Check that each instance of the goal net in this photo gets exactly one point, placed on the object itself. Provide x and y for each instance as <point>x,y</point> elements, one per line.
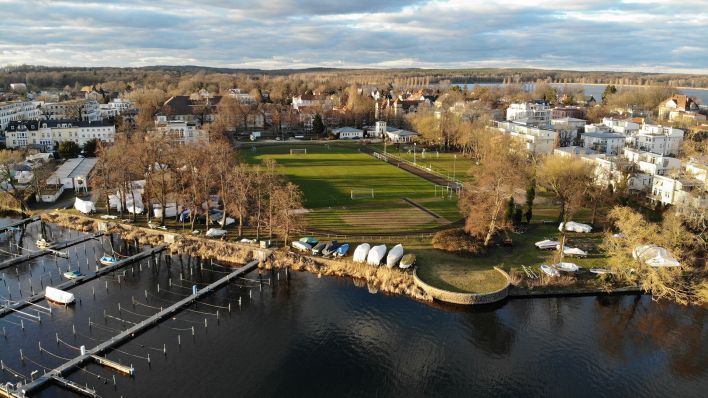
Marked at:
<point>302,151</point>
<point>362,193</point>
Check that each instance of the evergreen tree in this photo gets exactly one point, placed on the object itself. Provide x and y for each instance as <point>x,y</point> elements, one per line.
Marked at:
<point>510,208</point>
<point>609,90</point>
<point>69,149</point>
<point>318,126</point>
<point>518,216</point>
<point>89,148</point>
<point>530,196</point>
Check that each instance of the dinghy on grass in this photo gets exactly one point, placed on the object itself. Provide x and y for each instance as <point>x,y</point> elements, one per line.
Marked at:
<point>317,249</point>
<point>376,254</point>
<point>330,248</point>
<point>361,252</point>
<point>309,240</point>
<point>394,255</point>
<point>566,267</point>
<point>550,271</point>
<point>407,261</point>
<point>601,271</point>
<point>301,246</point>
<point>547,244</point>
<point>342,250</point>
<point>215,233</point>
<point>58,296</point>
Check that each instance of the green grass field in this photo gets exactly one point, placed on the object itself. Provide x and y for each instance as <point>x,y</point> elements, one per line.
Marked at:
<point>328,174</point>
<point>446,163</point>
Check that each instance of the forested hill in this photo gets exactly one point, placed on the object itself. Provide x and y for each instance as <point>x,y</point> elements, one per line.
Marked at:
<point>43,77</point>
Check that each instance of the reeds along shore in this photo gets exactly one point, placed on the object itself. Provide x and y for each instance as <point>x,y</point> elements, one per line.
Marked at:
<point>383,279</point>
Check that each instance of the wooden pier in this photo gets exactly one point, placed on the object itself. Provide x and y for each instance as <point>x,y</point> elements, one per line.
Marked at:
<point>83,279</point>
<point>51,249</point>
<point>126,370</point>
<point>75,387</point>
<point>135,329</point>
<point>19,224</point>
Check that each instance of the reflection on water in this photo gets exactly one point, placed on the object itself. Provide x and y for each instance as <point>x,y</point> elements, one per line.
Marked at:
<point>309,336</point>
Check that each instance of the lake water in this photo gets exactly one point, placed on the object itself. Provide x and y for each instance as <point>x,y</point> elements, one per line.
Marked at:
<point>596,90</point>
<point>308,336</point>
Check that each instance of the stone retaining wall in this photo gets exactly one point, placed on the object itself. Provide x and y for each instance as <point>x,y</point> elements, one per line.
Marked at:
<point>465,298</point>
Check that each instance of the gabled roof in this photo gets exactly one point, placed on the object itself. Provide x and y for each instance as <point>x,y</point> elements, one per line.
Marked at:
<point>682,102</point>
<point>184,105</point>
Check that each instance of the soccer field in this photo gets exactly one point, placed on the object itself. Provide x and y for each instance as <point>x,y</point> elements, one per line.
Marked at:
<point>327,175</point>
<point>445,163</point>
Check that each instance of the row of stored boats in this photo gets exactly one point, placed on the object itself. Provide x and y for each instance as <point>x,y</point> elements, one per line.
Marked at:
<point>364,253</point>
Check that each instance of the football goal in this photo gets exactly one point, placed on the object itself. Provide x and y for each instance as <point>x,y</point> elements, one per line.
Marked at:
<point>301,151</point>
<point>362,193</point>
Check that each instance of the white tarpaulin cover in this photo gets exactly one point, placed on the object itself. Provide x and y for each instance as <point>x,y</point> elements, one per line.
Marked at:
<point>394,255</point>
<point>573,226</point>
<point>547,244</point>
<point>215,232</point>
<point>361,252</point>
<point>574,251</point>
<point>376,254</point>
<point>655,256</point>
<point>84,206</point>
<point>58,296</point>
<point>229,221</point>
<point>170,210</point>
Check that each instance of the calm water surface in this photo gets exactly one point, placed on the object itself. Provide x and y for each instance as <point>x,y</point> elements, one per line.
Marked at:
<point>309,336</point>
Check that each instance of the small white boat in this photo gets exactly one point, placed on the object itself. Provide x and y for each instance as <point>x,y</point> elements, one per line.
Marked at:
<point>361,252</point>
<point>301,246</point>
<point>574,251</point>
<point>549,270</point>
<point>215,233</point>
<point>43,243</point>
<point>601,271</point>
<point>547,244</point>
<point>73,274</point>
<point>394,255</point>
<point>107,260</point>
<point>376,254</point>
<point>566,267</point>
<point>58,296</point>
<point>407,261</point>
<point>655,256</point>
<point>573,226</point>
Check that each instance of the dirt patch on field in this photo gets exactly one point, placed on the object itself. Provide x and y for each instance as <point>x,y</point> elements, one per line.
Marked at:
<point>392,220</point>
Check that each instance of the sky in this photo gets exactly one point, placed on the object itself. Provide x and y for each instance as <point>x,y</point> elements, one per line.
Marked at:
<point>627,35</point>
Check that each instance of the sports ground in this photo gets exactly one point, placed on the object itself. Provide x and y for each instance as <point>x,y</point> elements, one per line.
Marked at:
<point>338,182</point>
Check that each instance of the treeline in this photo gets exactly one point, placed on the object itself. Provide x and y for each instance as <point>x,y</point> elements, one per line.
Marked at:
<point>191,177</point>
<point>41,77</point>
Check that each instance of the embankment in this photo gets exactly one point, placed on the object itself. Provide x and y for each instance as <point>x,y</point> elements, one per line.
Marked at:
<point>392,281</point>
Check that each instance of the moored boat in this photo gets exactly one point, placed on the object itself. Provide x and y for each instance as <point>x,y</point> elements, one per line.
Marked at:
<point>43,243</point>
<point>407,261</point>
<point>394,255</point>
<point>317,249</point>
<point>107,260</point>
<point>330,248</point>
<point>309,240</point>
<point>546,244</point>
<point>58,296</point>
<point>549,270</point>
<point>73,274</point>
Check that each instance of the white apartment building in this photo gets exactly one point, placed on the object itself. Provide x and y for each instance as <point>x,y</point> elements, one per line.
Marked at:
<point>605,143</point>
<point>529,113</point>
<point>657,139</point>
<point>46,135</point>
<point>621,126</point>
<point>114,108</point>
<point>305,100</point>
<point>680,192</point>
<point>652,163</point>
<point>88,110</point>
<point>536,141</point>
<point>17,110</point>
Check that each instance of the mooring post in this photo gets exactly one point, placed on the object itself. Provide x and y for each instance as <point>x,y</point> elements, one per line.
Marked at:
<point>164,349</point>
<point>22,357</point>
<point>179,339</point>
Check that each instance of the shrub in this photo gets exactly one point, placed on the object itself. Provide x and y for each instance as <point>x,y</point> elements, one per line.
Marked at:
<point>457,241</point>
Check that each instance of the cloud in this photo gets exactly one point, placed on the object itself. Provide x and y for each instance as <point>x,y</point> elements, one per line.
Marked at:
<point>647,35</point>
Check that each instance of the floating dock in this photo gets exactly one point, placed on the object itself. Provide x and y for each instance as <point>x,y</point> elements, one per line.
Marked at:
<point>83,279</point>
<point>136,329</point>
<point>120,368</point>
<point>51,249</point>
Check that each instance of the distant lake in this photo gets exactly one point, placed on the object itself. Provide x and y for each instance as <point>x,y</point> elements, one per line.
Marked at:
<point>596,90</point>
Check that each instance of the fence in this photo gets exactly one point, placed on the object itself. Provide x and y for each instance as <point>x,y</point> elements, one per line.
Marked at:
<point>387,157</point>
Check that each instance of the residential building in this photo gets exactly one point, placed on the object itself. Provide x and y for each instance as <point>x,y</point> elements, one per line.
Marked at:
<point>681,192</point>
<point>529,113</point>
<point>46,135</point>
<point>602,142</point>
<point>184,108</point>
<point>87,110</point>
<point>18,87</point>
<point>657,139</point>
<point>652,163</point>
<point>575,112</point>
<point>573,151</point>
<point>621,126</point>
<point>348,133</point>
<point>537,141</point>
<point>306,100</point>
<point>17,110</point>
<point>183,132</point>
<point>242,97</point>
<point>114,108</point>
<point>677,102</point>
<point>569,130</point>
<point>683,116</point>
